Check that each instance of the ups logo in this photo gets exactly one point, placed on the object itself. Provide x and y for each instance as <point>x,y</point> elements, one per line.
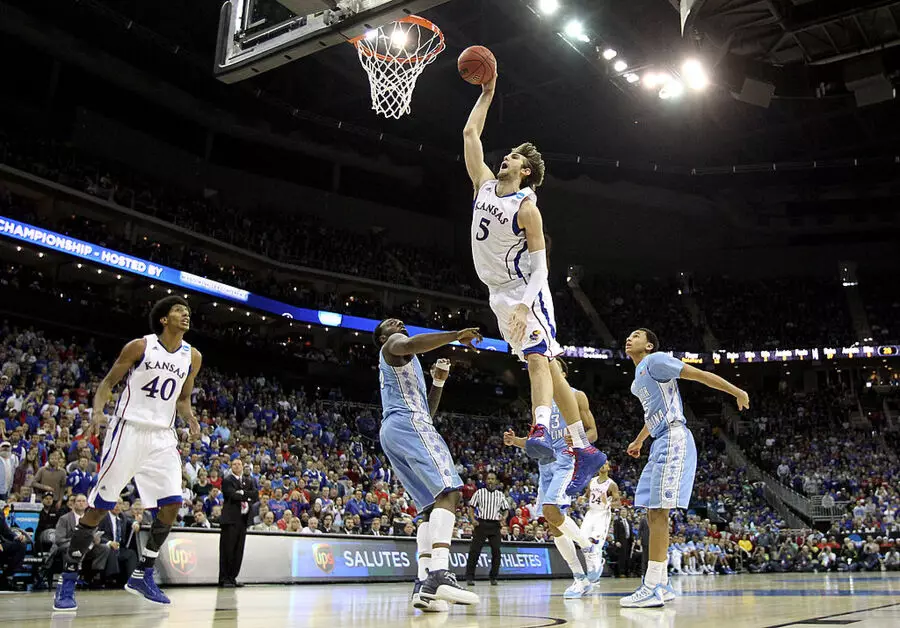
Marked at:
<point>324,557</point>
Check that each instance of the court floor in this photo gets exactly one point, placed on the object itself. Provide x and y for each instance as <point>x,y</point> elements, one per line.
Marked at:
<point>770,601</point>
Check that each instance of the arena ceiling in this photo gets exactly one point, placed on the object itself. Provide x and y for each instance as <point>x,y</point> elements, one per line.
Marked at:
<point>815,54</point>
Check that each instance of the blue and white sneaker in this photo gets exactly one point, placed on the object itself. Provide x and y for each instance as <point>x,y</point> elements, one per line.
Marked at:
<point>668,593</point>
<point>429,606</point>
<point>539,445</point>
<point>578,589</point>
<point>441,584</point>
<point>144,585</point>
<point>645,597</point>
<point>593,560</point>
<point>64,599</point>
<point>588,461</point>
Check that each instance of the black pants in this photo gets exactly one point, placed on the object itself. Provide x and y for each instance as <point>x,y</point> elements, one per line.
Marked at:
<point>490,531</point>
<point>12,557</point>
<point>231,551</point>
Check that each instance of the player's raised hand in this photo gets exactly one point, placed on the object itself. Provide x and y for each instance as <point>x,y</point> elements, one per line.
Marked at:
<point>467,336</point>
<point>517,323</point>
<point>440,370</point>
<point>492,84</point>
<point>509,438</point>
<point>634,449</point>
<point>743,400</point>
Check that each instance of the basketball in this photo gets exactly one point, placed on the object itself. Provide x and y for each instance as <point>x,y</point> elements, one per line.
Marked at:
<point>477,65</point>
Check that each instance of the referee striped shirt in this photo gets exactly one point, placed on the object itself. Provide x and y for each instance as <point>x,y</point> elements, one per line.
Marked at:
<point>488,504</point>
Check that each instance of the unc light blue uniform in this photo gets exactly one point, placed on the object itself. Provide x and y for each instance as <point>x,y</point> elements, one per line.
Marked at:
<point>418,454</point>
<point>668,478</point>
<point>555,476</point>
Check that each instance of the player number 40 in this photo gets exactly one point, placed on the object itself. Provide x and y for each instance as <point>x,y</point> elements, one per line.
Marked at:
<point>483,232</point>
<point>165,391</point>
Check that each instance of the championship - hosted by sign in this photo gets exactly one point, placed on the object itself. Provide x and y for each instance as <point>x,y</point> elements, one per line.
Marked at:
<point>192,557</point>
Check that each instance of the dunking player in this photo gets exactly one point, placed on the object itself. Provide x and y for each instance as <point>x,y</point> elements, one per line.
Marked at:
<point>141,443</point>
<point>509,251</point>
<point>668,478</point>
<point>553,500</point>
<point>603,496</point>
<point>419,456</point>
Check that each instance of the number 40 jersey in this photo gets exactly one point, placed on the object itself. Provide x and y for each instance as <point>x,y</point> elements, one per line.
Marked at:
<point>154,385</point>
<point>499,249</point>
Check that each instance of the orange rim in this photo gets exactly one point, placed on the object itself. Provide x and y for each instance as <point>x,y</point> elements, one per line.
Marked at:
<point>409,19</point>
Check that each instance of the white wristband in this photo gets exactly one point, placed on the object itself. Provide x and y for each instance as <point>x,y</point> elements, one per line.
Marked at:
<point>438,383</point>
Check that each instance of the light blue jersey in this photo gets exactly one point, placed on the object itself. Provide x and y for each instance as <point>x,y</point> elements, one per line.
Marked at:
<point>556,475</point>
<point>418,454</point>
<point>668,478</point>
<point>656,386</point>
<point>402,388</point>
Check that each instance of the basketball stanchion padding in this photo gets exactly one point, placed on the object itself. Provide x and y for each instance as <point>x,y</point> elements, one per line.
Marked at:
<point>394,57</point>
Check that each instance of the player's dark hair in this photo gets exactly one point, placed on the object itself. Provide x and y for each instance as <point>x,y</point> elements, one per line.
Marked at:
<point>376,335</point>
<point>161,309</point>
<point>563,366</point>
<point>534,162</point>
<point>651,338</point>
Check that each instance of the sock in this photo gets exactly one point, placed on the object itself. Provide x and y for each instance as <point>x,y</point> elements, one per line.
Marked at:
<point>542,416</point>
<point>566,547</point>
<point>656,573</point>
<point>159,531</point>
<point>441,524</point>
<point>570,529</point>
<point>579,437</point>
<point>423,543</point>
<point>82,539</point>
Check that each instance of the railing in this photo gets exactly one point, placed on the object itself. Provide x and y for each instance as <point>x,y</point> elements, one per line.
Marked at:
<point>827,513</point>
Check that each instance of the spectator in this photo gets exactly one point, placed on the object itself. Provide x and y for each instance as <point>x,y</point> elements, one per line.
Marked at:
<point>12,555</point>
<point>268,524</point>
<point>50,478</point>
<point>9,463</point>
<point>98,556</point>
<point>312,527</point>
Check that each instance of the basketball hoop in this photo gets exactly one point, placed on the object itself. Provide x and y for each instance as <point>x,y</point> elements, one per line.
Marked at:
<point>394,56</point>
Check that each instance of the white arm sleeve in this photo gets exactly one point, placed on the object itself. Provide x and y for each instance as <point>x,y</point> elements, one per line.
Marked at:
<point>539,275</point>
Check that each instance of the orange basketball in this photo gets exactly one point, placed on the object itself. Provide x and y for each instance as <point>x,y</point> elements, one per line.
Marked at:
<point>477,65</point>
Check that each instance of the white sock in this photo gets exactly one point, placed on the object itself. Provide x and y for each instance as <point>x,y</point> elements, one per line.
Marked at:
<point>566,547</point>
<point>579,437</point>
<point>542,416</point>
<point>570,529</point>
<point>656,573</point>
<point>441,524</point>
<point>423,543</point>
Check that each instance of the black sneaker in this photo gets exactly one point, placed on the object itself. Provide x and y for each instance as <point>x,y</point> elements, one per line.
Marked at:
<point>471,583</point>
<point>494,582</point>
<point>442,585</point>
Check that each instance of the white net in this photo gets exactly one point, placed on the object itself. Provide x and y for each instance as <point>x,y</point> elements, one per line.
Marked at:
<point>394,57</point>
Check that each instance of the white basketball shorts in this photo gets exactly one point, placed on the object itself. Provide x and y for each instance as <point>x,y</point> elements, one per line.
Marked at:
<point>540,324</point>
<point>147,454</point>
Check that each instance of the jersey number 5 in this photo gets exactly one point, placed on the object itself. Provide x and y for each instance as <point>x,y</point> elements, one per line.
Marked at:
<point>165,391</point>
<point>483,232</point>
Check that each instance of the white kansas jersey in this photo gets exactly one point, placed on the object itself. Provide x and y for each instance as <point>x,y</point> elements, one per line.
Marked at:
<point>499,249</point>
<point>600,494</point>
<point>154,385</point>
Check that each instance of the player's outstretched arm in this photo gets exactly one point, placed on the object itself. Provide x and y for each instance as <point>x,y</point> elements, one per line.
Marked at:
<point>587,417</point>
<point>404,346</point>
<point>439,374</point>
<point>473,150</point>
<point>129,355</point>
<point>511,440</point>
<point>183,405</point>
<point>714,381</point>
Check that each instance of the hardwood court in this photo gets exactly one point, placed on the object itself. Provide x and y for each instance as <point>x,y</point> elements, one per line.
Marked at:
<point>772,601</point>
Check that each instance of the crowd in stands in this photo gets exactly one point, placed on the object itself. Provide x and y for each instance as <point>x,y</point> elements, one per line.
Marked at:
<point>882,307</point>
<point>775,312</point>
<point>320,469</point>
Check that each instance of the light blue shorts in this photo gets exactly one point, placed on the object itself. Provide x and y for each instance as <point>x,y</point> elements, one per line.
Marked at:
<point>668,479</point>
<point>419,456</point>
<point>554,478</point>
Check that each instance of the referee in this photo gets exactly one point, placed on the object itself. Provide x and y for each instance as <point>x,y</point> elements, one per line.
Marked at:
<point>485,509</point>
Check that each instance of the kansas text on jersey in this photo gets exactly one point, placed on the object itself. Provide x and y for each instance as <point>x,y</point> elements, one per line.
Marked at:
<point>499,249</point>
<point>154,384</point>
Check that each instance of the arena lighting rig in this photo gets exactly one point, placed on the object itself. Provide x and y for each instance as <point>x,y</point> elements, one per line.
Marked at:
<point>80,249</point>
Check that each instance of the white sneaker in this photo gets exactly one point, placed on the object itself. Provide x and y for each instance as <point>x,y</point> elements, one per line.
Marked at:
<point>578,588</point>
<point>593,559</point>
<point>437,606</point>
<point>644,597</point>
<point>668,593</point>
